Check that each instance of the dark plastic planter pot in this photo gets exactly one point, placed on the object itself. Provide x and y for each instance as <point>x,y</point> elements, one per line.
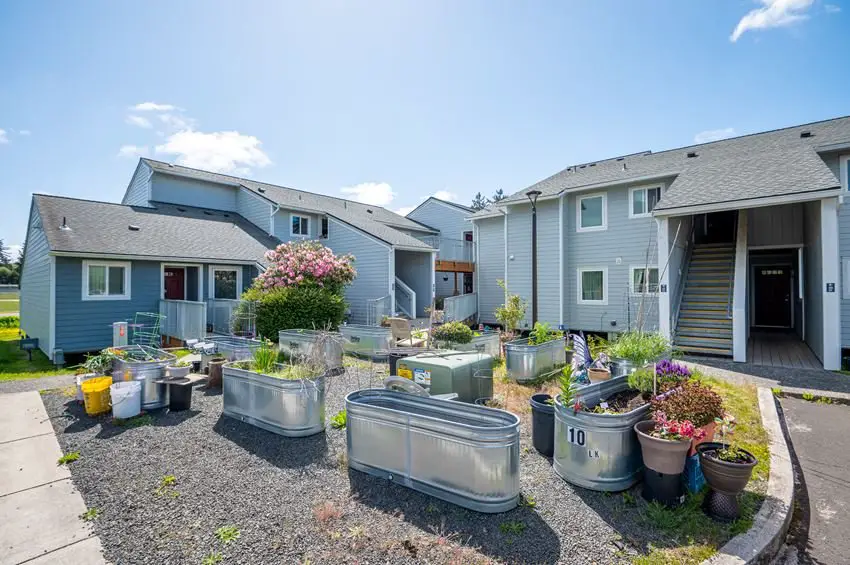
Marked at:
<point>542,424</point>
<point>726,480</point>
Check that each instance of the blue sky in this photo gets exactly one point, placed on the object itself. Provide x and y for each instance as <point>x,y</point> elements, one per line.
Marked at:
<point>392,101</point>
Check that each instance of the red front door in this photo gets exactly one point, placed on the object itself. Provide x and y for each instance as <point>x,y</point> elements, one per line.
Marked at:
<point>175,283</point>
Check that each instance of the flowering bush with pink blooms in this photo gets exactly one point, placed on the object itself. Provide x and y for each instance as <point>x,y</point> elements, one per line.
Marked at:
<point>675,430</point>
<point>306,263</point>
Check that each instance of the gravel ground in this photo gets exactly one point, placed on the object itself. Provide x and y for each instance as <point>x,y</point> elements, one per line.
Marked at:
<point>294,500</point>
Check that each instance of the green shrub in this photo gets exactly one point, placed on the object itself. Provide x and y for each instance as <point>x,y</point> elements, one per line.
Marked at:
<point>10,322</point>
<point>296,308</point>
<point>512,311</point>
<point>453,332</point>
<point>639,347</point>
<point>695,402</point>
<point>542,333</point>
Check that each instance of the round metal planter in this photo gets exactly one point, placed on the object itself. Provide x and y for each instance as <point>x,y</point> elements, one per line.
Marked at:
<point>598,451</point>
<point>137,367</point>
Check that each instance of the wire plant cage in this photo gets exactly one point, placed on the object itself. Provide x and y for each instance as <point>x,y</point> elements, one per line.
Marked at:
<point>243,320</point>
<point>147,329</point>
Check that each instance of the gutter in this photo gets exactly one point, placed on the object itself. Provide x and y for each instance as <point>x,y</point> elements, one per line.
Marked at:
<point>758,202</point>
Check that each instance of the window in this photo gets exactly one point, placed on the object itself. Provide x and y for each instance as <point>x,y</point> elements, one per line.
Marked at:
<point>324,234</point>
<point>593,285</point>
<point>592,211</point>
<point>300,225</point>
<point>644,280</point>
<point>643,201</point>
<point>844,173</point>
<point>106,280</point>
<point>225,283</point>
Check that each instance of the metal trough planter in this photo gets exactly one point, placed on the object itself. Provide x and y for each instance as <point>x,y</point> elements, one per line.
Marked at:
<point>598,451</point>
<point>364,341</point>
<point>293,408</point>
<point>147,365</point>
<point>235,348</point>
<point>526,362</point>
<point>485,343</point>
<point>302,343</point>
<point>461,453</point>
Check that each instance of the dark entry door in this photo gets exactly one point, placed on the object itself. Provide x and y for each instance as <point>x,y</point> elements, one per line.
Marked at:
<point>175,283</point>
<point>773,297</point>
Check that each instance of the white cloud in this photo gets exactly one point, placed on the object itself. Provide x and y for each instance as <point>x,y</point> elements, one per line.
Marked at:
<point>25,132</point>
<point>446,195</point>
<point>773,13</point>
<point>13,251</point>
<point>139,121</point>
<point>221,151</point>
<point>176,122</point>
<point>153,107</point>
<point>404,210</point>
<point>832,8</point>
<point>377,193</point>
<point>133,151</point>
<point>3,138</point>
<point>714,135</point>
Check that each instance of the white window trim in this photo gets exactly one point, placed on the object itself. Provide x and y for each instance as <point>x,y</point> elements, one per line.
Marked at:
<point>604,226</point>
<point>127,277</point>
<point>200,267</point>
<point>845,272</point>
<point>604,301</point>
<point>213,269</point>
<point>645,187</point>
<point>843,163</point>
<point>632,269</point>
<point>300,216</point>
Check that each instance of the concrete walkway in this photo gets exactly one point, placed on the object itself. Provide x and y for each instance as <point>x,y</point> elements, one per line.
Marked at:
<point>790,380</point>
<point>39,507</point>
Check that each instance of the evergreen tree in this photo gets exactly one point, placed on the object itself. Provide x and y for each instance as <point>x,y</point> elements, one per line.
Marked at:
<point>4,254</point>
<point>479,202</point>
<point>498,195</point>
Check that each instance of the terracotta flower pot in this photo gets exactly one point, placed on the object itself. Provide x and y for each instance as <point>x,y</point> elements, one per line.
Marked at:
<point>661,455</point>
<point>724,476</point>
<point>709,436</point>
<point>599,375</point>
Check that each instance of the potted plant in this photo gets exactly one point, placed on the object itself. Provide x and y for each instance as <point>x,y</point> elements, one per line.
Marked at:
<point>286,399</point>
<point>178,370</point>
<point>452,333</point>
<point>538,355</point>
<point>727,469</point>
<point>691,401</point>
<point>665,443</point>
<point>93,366</point>
<point>497,401</point>
<point>634,349</point>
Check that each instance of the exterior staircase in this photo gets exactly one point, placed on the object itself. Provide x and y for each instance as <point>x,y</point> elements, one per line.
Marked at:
<point>704,325</point>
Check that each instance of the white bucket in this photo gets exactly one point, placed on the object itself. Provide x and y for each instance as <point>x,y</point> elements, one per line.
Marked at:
<point>80,379</point>
<point>126,399</point>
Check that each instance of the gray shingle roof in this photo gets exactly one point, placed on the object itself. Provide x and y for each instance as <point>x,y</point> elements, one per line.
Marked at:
<point>772,163</point>
<point>374,220</point>
<point>164,231</point>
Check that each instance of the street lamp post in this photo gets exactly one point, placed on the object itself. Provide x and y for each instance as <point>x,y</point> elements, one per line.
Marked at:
<point>532,196</point>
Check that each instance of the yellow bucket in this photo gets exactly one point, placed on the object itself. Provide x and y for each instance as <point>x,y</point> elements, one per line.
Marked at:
<point>96,395</point>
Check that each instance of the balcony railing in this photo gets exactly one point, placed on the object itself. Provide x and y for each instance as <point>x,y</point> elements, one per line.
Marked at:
<point>450,249</point>
<point>184,319</point>
<point>460,308</point>
<point>405,298</point>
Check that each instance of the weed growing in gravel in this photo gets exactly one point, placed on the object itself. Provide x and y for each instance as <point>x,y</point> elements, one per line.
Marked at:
<point>777,392</point>
<point>356,532</point>
<point>90,515</point>
<point>135,421</point>
<point>628,498</point>
<point>527,500</point>
<point>824,400</point>
<point>431,508</point>
<point>227,534</point>
<point>513,527</point>
<point>68,458</point>
<point>342,461</point>
<point>327,511</point>
<point>212,558</point>
<point>166,486</point>
<point>808,396</point>
<point>339,420</point>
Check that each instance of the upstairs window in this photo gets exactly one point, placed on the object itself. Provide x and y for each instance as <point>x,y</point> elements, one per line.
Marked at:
<point>644,280</point>
<point>324,234</point>
<point>592,212</point>
<point>643,201</point>
<point>300,225</point>
<point>104,280</point>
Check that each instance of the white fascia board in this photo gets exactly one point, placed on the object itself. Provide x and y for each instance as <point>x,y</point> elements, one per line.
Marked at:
<point>159,258</point>
<point>749,203</point>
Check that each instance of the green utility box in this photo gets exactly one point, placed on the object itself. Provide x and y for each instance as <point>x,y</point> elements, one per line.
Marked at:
<point>468,374</point>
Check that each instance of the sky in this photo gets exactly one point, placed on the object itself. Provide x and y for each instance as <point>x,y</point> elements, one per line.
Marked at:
<point>391,101</point>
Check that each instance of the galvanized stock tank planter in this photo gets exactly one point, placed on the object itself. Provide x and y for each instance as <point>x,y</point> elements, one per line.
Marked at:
<point>146,365</point>
<point>525,362</point>
<point>295,344</point>
<point>293,408</point>
<point>487,342</point>
<point>462,453</point>
<point>364,341</point>
<point>598,451</point>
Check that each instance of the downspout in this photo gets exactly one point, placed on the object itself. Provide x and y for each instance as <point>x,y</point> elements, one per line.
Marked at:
<point>271,219</point>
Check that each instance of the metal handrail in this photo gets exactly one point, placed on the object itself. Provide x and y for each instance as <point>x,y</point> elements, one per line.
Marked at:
<point>680,287</point>
<point>399,284</point>
<point>376,309</point>
<point>732,274</point>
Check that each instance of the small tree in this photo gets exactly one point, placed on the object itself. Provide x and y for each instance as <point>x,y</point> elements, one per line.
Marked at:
<point>4,254</point>
<point>498,196</point>
<point>512,311</point>
<point>479,202</point>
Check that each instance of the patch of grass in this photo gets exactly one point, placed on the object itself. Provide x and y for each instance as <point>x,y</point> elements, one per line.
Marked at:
<point>167,487</point>
<point>431,508</point>
<point>135,421</point>
<point>180,353</point>
<point>824,400</point>
<point>327,511</point>
<point>227,534</point>
<point>68,458</point>
<point>339,420</point>
<point>527,500</point>
<point>350,361</point>
<point>10,322</point>
<point>628,498</point>
<point>777,392</point>
<point>212,558</point>
<point>514,527</point>
<point>808,397</point>
<point>15,364</point>
<point>90,515</point>
<point>9,305</point>
<point>676,556</point>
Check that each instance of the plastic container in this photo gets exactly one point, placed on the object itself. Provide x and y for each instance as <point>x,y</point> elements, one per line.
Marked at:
<point>79,380</point>
<point>96,395</point>
<point>180,395</point>
<point>663,488</point>
<point>126,399</point>
<point>542,424</point>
